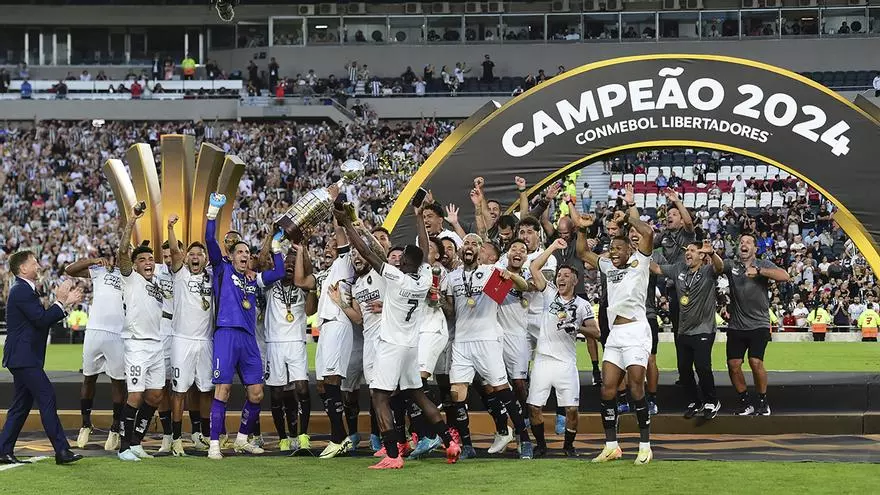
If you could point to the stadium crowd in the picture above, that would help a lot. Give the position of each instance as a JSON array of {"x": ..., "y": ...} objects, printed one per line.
[{"x": 55, "y": 200}]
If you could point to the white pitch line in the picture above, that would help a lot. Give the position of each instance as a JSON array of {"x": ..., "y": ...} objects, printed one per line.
[{"x": 29, "y": 461}]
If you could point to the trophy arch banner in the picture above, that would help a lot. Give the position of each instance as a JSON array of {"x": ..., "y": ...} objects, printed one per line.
[{"x": 664, "y": 101}]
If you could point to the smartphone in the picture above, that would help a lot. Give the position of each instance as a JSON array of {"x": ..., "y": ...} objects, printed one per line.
[{"x": 419, "y": 197}]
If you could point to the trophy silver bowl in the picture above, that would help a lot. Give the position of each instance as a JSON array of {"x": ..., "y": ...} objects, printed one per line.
[{"x": 314, "y": 207}]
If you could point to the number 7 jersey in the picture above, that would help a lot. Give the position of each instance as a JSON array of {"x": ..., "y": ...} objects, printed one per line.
[{"x": 404, "y": 304}]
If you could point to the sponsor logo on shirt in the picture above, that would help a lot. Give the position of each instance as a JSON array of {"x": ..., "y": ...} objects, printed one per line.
[
  {"x": 154, "y": 292},
  {"x": 112, "y": 280}
]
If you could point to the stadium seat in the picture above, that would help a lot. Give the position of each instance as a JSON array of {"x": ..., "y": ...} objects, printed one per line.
[
  {"x": 688, "y": 173},
  {"x": 712, "y": 177},
  {"x": 689, "y": 200},
  {"x": 751, "y": 203},
  {"x": 667, "y": 170},
  {"x": 749, "y": 171},
  {"x": 628, "y": 178},
  {"x": 725, "y": 175},
  {"x": 616, "y": 178},
  {"x": 765, "y": 199},
  {"x": 651, "y": 200},
  {"x": 713, "y": 204},
  {"x": 727, "y": 199},
  {"x": 641, "y": 178},
  {"x": 639, "y": 199},
  {"x": 739, "y": 201},
  {"x": 761, "y": 172},
  {"x": 778, "y": 200},
  {"x": 679, "y": 171},
  {"x": 783, "y": 174},
  {"x": 702, "y": 199},
  {"x": 652, "y": 174}
]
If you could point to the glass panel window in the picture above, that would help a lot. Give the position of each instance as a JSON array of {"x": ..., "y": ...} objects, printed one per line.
[
  {"x": 61, "y": 41},
  {"x": 523, "y": 27},
  {"x": 323, "y": 30},
  {"x": 444, "y": 29},
  {"x": 360, "y": 30},
  {"x": 800, "y": 22},
  {"x": 223, "y": 36},
  {"x": 167, "y": 42},
  {"x": 679, "y": 25},
  {"x": 407, "y": 30},
  {"x": 760, "y": 23},
  {"x": 12, "y": 45},
  {"x": 139, "y": 54},
  {"x": 844, "y": 22},
  {"x": 601, "y": 27},
  {"x": 287, "y": 32},
  {"x": 873, "y": 26},
  {"x": 564, "y": 27},
  {"x": 638, "y": 26},
  {"x": 482, "y": 28},
  {"x": 89, "y": 45},
  {"x": 251, "y": 35},
  {"x": 719, "y": 24}
]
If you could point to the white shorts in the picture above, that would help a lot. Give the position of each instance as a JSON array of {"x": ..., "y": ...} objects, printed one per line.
[
  {"x": 354, "y": 376},
  {"x": 517, "y": 352},
  {"x": 166, "y": 354},
  {"x": 550, "y": 373},
  {"x": 191, "y": 364},
  {"x": 369, "y": 357},
  {"x": 431, "y": 345},
  {"x": 624, "y": 357},
  {"x": 103, "y": 352},
  {"x": 397, "y": 366},
  {"x": 144, "y": 365},
  {"x": 334, "y": 349},
  {"x": 628, "y": 344},
  {"x": 481, "y": 356},
  {"x": 286, "y": 362}
]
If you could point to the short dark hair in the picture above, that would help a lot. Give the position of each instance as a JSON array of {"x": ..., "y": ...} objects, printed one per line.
[
  {"x": 516, "y": 241},
  {"x": 494, "y": 201},
  {"x": 395, "y": 248},
  {"x": 143, "y": 248},
  {"x": 413, "y": 255},
  {"x": 622, "y": 238},
  {"x": 436, "y": 208},
  {"x": 196, "y": 244},
  {"x": 381, "y": 229},
  {"x": 17, "y": 259},
  {"x": 166, "y": 245},
  {"x": 530, "y": 221},
  {"x": 507, "y": 221},
  {"x": 437, "y": 244},
  {"x": 569, "y": 267},
  {"x": 697, "y": 244},
  {"x": 495, "y": 248}
]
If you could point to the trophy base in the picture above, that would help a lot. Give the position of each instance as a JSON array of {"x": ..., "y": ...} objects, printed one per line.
[{"x": 290, "y": 229}]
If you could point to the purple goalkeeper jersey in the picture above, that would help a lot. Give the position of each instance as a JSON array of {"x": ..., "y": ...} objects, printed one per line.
[{"x": 236, "y": 296}]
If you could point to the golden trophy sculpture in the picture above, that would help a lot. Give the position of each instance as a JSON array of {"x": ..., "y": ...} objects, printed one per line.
[{"x": 187, "y": 183}]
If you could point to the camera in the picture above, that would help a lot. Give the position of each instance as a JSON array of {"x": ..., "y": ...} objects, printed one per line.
[{"x": 225, "y": 9}]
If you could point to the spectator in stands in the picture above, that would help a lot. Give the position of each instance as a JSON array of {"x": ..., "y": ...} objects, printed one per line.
[
  {"x": 136, "y": 90},
  {"x": 85, "y": 76},
  {"x": 168, "y": 68},
  {"x": 212, "y": 70},
  {"x": 661, "y": 181},
  {"x": 5, "y": 80},
  {"x": 274, "y": 71},
  {"x": 517, "y": 91},
  {"x": 876, "y": 84},
  {"x": 586, "y": 198},
  {"x": 843, "y": 29},
  {"x": 428, "y": 73},
  {"x": 739, "y": 185},
  {"x": 60, "y": 90},
  {"x": 488, "y": 70},
  {"x": 25, "y": 90},
  {"x": 420, "y": 87},
  {"x": 541, "y": 77},
  {"x": 674, "y": 181},
  {"x": 714, "y": 192},
  {"x": 188, "y": 66},
  {"x": 156, "y": 67},
  {"x": 23, "y": 72}
]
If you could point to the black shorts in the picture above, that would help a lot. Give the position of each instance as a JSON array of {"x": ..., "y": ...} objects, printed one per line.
[
  {"x": 655, "y": 333},
  {"x": 754, "y": 341}
]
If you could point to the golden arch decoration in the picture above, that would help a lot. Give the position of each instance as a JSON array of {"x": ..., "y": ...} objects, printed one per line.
[
  {"x": 666, "y": 100},
  {"x": 186, "y": 184}
]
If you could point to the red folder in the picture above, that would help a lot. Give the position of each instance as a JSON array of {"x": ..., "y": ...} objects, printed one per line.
[{"x": 496, "y": 287}]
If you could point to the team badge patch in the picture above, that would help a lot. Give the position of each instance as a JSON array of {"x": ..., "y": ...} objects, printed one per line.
[
  {"x": 216, "y": 373},
  {"x": 134, "y": 381},
  {"x": 634, "y": 264}
]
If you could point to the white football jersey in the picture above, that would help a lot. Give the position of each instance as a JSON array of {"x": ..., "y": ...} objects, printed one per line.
[
  {"x": 480, "y": 320},
  {"x": 282, "y": 301},
  {"x": 535, "y": 300},
  {"x": 341, "y": 272},
  {"x": 367, "y": 290},
  {"x": 560, "y": 325},
  {"x": 627, "y": 292},
  {"x": 435, "y": 319},
  {"x": 191, "y": 319},
  {"x": 106, "y": 312},
  {"x": 165, "y": 280},
  {"x": 513, "y": 315},
  {"x": 404, "y": 306},
  {"x": 143, "y": 307}
]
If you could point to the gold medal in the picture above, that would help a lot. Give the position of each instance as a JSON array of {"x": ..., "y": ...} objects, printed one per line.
[
  {"x": 290, "y": 317},
  {"x": 206, "y": 305},
  {"x": 471, "y": 302},
  {"x": 562, "y": 315},
  {"x": 684, "y": 300},
  {"x": 524, "y": 303},
  {"x": 245, "y": 304}
]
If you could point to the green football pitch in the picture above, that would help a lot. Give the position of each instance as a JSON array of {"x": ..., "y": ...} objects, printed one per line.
[
  {"x": 96, "y": 476},
  {"x": 781, "y": 356}
]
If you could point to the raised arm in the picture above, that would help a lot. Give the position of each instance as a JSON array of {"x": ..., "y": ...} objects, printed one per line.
[
  {"x": 479, "y": 220},
  {"x": 646, "y": 232},
  {"x": 372, "y": 258},
  {"x": 264, "y": 259},
  {"x": 537, "y": 276},
  {"x": 484, "y": 204},
  {"x": 123, "y": 254},
  {"x": 523, "y": 196},
  {"x": 302, "y": 273},
  {"x": 776, "y": 274},
  {"x": 277, "y": 272},
  {"x": 80, "y": 268},
  {"x": 583, "y": 223},
  {"x": 349, "y": 306},
  {"x": 176, "y": 253},
  {"x": 717, "y": 262},
  {"x": 452, "y": 218},
  {"x": 215, "y": 254},
  {"x": 422, "y": 232},
  {"x": 686, "y": 218}
]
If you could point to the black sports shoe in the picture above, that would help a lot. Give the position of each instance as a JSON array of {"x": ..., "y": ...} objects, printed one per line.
[
  {"x": 597, "y": 378},
  {"x": 692, "y": 410},
  {"x": 539, "y": 451},
  {"x": 763, "y": 408},
  {"x": 710, "y": 410},
  {"x": 745, "y": 409},
  {"x": 570, "y": 452}
]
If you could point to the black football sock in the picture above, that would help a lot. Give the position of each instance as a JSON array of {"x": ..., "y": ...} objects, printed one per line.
[
  {"x": 450, "y": 410},
  {"x": 374, "y": 422},
  {"x": 621, "y": 398},
  {"x": 762, "y": 397},
  {"x": 206, "y": 427},
  {"x": 495, "y": 409},
  {"x": 538, "y": 431},
  {"x": 142, "y": 422},
  {"x": 609, "y": 419},
  {"x": 644, "y": 418},
  {"x": 333, "y": 406},
  {"x": 560, "y": 411},
  {"x": 509, "y": 404},
  {"x": 398, "y": 409},
  {"x": 417, "y": 420},
  {"x": 462, "y": 422},
  {"x": 117, "y": 416},
  {"x": 389, "y": 440},
  {"x": 165, "y": 419},
  {"x": 305, "y": 413},
  {"x": 85, "y": 408},
  {"x": 352, "y": 412},
  {"x": 195, "y": 420},
  {"x": 595, "y": 366},
  {"x": 277, "y": 408},
  {"x": 569, "y": 439},
  {"x": 442, "y": 429},
  {"x": 290, "y": 408},
  {"x": 256, "y": 429},
  {"x": 176, "y": 429},
  {"x": 126, "y": 430}
]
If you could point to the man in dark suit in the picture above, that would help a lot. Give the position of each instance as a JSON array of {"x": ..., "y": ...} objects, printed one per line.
[{"x": 27, "y": 329}]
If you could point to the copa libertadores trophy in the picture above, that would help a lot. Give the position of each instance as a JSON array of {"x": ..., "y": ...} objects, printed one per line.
[{"x": 313, "y": 208}]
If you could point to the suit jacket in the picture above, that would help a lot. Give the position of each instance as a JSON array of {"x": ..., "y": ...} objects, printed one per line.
[{"x": 27, "y": 326}]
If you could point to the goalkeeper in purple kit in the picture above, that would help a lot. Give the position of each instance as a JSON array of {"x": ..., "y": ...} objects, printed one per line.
[{"x": 235, "y": 342}]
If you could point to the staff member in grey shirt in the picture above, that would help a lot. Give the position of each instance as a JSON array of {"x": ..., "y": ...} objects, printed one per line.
[
  {"x": 749, "y": 326},
  {"x": 695, "y": 281}
]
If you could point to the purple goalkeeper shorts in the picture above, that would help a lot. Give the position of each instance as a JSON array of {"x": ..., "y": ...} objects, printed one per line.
[{"x": 236, "y": 351}]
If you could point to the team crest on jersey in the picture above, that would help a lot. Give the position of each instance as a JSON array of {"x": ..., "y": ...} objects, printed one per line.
[
  {"x": 478, "y": 275},
  {"x": 369, "y": 279},
  {"x": 634, "y": 264},
  {"x": 216, "y": 373}
]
